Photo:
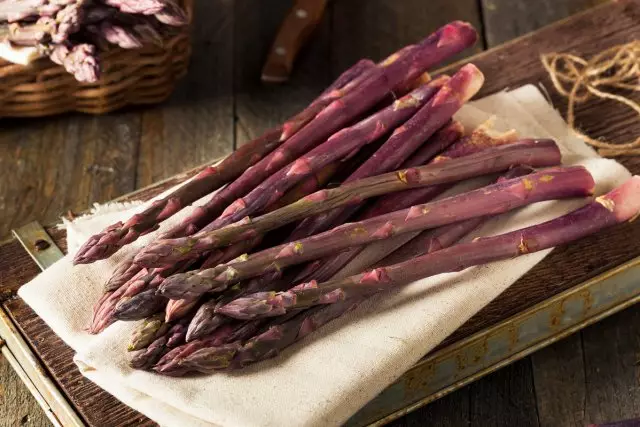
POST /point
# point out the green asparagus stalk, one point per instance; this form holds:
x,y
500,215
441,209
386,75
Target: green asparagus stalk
x,y
620,205
106,243
505,196
533,152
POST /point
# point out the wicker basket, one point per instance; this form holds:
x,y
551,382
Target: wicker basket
x,y
129,77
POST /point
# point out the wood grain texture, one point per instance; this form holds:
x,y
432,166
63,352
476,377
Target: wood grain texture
x,y
196,124
564,268
55,164
260,106
451,410
612,368
507,19
376,28
560,384
17,406
504,398
95,406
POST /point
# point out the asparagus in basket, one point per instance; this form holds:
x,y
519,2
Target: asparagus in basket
x,y
394,72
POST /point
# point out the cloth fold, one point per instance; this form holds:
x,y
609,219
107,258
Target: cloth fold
x,y
332,373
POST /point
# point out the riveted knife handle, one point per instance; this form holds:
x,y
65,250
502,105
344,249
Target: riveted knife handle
x,y
302,19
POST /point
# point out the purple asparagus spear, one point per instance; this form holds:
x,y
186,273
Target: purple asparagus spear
x,y
435,113
480,139
247,155
620,205
531,152
402,144
505,196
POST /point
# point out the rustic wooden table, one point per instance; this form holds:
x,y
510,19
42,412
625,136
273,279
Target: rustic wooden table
x,y
51,165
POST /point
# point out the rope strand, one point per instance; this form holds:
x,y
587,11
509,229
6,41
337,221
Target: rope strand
x,y
579,80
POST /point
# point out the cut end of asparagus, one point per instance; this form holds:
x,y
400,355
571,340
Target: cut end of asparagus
x,y
458,33
623,201
465,84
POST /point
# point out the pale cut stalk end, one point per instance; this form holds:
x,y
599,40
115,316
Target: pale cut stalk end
x,y
624,201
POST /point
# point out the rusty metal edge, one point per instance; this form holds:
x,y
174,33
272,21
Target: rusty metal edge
x,y
32,373
547,322
13,362
44,256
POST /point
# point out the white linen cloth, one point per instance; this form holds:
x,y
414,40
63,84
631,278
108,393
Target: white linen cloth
x,y
327,377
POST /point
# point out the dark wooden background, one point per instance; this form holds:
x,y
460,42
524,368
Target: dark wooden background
x,y
49,166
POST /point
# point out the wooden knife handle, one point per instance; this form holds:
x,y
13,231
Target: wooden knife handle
x,y
292,35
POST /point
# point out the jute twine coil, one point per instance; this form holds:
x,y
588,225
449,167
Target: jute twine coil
x,y
579,80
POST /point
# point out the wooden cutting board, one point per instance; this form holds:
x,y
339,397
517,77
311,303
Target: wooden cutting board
x,y
510,65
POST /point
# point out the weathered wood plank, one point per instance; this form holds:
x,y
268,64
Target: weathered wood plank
x,y
50,165
608,25
96,406
259,106
612,368
375,28
559,378
450,411
17,406
507,19
504,398
196,124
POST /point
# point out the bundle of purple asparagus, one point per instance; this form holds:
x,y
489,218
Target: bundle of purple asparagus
x,y
274,251
73,32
